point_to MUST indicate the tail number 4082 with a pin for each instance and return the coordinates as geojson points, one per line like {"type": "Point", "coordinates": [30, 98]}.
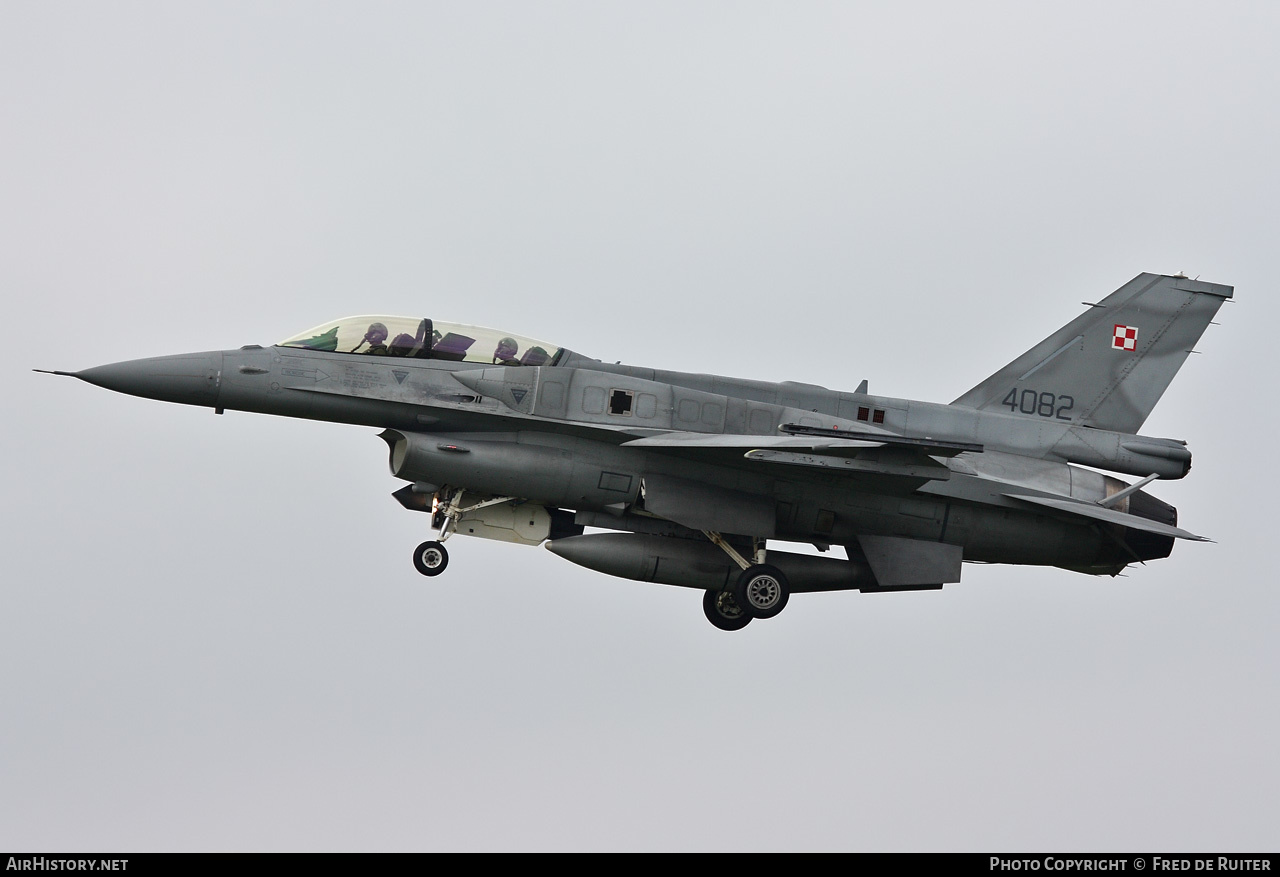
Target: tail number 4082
{"type": "Point", "coordinates": [1038, 403]}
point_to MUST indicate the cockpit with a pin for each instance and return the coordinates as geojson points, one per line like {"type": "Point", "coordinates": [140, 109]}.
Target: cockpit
{"type": "Point", "coordinates": [417, 338]}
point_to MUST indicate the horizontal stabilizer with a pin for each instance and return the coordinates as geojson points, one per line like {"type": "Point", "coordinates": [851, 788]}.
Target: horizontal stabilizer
{"type": "Point", "coordinates": [1109, 516]}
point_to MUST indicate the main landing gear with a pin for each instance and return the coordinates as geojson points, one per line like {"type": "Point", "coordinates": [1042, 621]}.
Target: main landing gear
{"type": "Point", "coordinates": [760, 591]}
{"type": "Point", "coordinates": [723, 610]}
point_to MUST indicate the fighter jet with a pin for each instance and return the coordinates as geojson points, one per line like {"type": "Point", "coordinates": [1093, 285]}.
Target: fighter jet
{"type": "Point", "coordinates": [699, 476]}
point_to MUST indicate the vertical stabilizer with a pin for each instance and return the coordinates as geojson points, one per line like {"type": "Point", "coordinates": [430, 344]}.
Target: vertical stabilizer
{"type": "Point", "coordinates": [1108, 367]}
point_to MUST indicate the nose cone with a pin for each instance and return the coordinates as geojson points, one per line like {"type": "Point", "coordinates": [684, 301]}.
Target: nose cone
{"type": "Point", "coordinates": [190, 378]}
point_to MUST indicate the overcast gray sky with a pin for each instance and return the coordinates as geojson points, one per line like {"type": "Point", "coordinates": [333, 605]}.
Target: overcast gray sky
{"type": "Point", "coordinates": [212, 634]}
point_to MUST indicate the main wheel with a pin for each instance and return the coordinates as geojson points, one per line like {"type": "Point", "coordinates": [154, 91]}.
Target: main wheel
{"type": "Point", "coordinates": [761, 590]}
{"type": "Point", "coordinates": [723, 611]}
{"type": "Point", "coordinates": [430, 558]}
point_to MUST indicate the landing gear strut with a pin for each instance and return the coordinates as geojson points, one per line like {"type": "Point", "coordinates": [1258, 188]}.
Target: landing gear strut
{"type": "Point", "coordinates": [760, 591]}
{"type": "Point", "coordinates": [430, 558]}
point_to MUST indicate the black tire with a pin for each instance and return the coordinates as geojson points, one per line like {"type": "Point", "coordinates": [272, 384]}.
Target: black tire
{"type": "Point", "coordinates": [723, 611]}
{"type": "Point", "coordinates": [430, 558]}
{"type": "Point", "coordinates": [762, 590]}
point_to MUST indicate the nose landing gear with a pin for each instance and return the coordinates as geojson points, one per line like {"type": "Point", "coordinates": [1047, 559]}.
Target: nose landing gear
{"type": "Point", "coordinates": [430, 558]}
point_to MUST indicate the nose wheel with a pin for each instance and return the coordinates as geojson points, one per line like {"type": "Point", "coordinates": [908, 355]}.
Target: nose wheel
{"type": "Point", "coordinates": [430, 558]}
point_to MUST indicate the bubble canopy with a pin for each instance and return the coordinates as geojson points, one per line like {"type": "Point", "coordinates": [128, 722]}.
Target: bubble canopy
{"type": "Point", "coordinates": [421, 338]}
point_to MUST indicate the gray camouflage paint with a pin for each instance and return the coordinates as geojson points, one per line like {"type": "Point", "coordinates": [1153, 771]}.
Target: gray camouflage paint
{"type": "Point", "coordinates": [909, 488]}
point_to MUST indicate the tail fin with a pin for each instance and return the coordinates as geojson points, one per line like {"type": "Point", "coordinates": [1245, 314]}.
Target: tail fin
{"type": "Point", "coordinates": [1109, 366]}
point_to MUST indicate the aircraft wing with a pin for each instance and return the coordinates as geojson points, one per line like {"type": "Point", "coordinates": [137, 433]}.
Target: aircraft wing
{"type": "Point", "coordinates": [929, 446]}
{"type": "Point", "coordinates": [1109, 516]}
{"type": "Point", "coordinates": [794, 436]}
{"type": "Point", "coordinates": [829, 452]}
{"type": "Point", "coordinates": [677, 440]}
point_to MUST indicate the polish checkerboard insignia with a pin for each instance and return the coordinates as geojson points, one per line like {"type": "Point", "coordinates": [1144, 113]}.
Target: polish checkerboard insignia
{"type": "Point", "coordinates": [1125, 338]}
